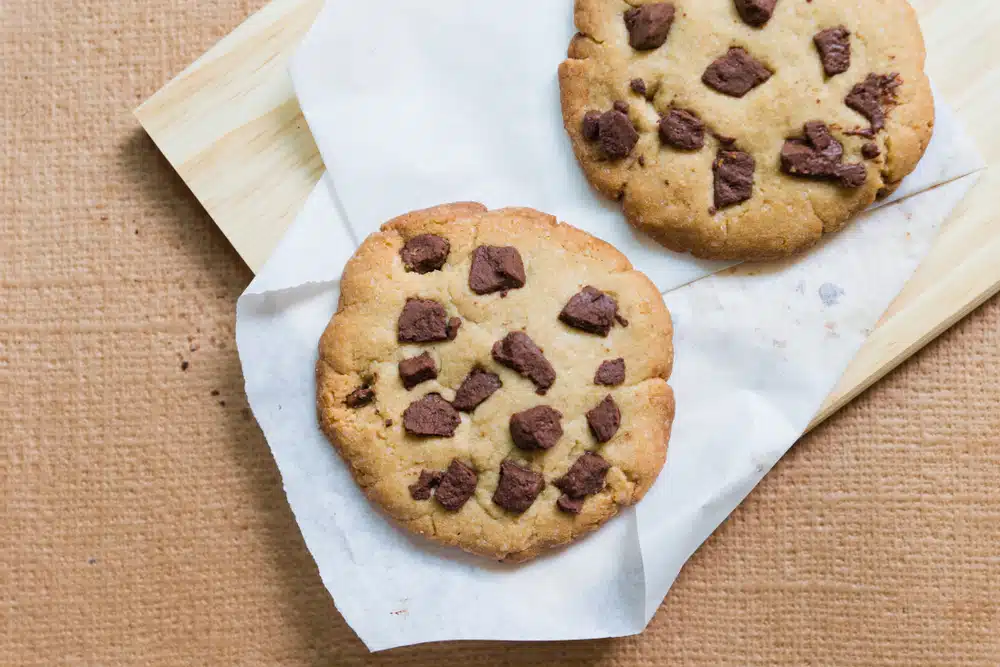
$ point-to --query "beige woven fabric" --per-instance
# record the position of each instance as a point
(142, 519)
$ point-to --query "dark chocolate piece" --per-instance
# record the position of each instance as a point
(536, 428)
(818, 155)
(590, 310)
(496, 269)
(755, 12)
(682, 129)
(422, 321)
(585, 477)
(871, 97)
(736, 73)
(834, 46)
(518, 352)
(605, 419)
(429, 479)
(649, 25)
(732, 177)
(425, 253)
(360, 397)
(431, 416)
(417, 369)
(518, 487)
(477, 386)
(616, 134)
(457, 485)
(610, 373)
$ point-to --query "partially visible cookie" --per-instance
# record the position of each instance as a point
(496, 380)
(745, 129)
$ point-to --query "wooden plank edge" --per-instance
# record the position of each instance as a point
(961, 290)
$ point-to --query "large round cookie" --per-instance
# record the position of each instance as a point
(496, 380)
(745, 129)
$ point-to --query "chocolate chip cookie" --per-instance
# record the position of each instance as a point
(745, 129)
(497, 380)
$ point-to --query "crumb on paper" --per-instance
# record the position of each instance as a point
(184, 365)
(830, 294)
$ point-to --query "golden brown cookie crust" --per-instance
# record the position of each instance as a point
(668, 192)
(360, 347)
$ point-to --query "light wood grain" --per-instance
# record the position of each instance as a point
(231, 127)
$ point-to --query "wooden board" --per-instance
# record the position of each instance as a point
(231, 127)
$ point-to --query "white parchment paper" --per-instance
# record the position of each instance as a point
(756, 351)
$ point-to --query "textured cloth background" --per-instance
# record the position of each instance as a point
(143, 520)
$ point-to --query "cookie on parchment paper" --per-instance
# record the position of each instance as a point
(496, 380)
(745, 129)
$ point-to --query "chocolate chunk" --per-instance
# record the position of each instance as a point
(477, 386)
(870, 150)
(360, 397)
(429, 479)
(638, 86)
(866, 132)
(585, 477)
(682, 129)
(425, 253)
(518, 487)
(590, 310)
(451, 329)
(605, 419)
(612, 130)
(736, 73)
(518, 352)
(495, 269)
(649, 25)
(457, 485)
(733, 177)
(819, 155)
(621, 320)
(570, 505)
(616, 134)
(852, 175)
(870, 97)
(419, 369)
(755, 12)
(591, 127)
(834, 46)
(422, 321)
(431, 416)
(610, 373)
(536, 428)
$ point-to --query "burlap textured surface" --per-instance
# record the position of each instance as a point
(143, 520)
